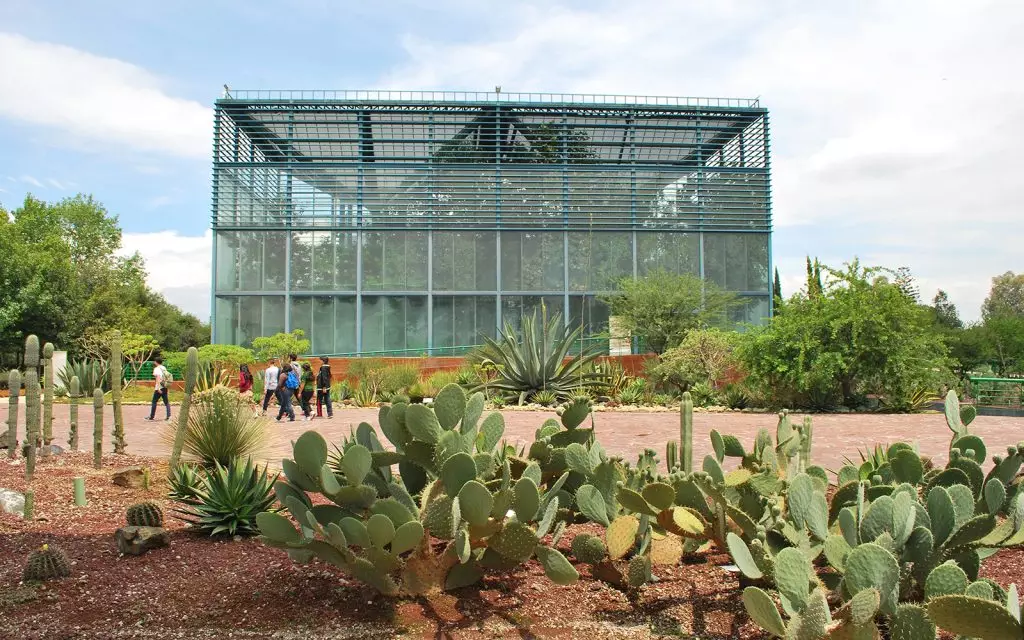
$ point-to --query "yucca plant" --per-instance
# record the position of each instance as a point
(537, 359)
(544, 397)
(221, 427)
(92, 374)
(212, 375)
(229, 498)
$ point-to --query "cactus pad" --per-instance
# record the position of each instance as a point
(659, 495)
(621, 536)
(639, 571)
(974, 617)
(763, 612)
(310, 453)
(793, 574)
(589, 549)
(871, 566)
(741, 556)
(450, 405)
(422, 423)
(457, 471)
(476, 503)
(591, 504)
(556, 567)
(666, 550)
(578, 459)
(145, 514)
(944, 580)
(911, 622)
(515, 542)
(527, 499)
(575, 413)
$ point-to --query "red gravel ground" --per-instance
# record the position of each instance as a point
(203, 588)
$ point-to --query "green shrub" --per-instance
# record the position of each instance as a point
(229, 498)
(222, 426)
(544, 398)
(228, 355)
(704, 395)
(341, 391)
(397, 377)
(440, 379)
(705, 355)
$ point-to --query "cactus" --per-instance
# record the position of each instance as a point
(97, 430)
(686, 433)
(47, 563)
(588, 548)
(116, 370)
(14, 387)
(970, 616)
(806, 434)
(191, 372)
(47, 436)
(79, 490)
(30, 504)
(73, 392)
(32, 417)
(145, 514)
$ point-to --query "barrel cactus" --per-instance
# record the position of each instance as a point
(47, 563)
(145, 514)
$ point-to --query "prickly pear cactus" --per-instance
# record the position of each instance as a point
(47, 563)
(145, 514)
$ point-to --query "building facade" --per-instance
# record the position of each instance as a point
(417, 222)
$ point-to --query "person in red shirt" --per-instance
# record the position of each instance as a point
(244, 381)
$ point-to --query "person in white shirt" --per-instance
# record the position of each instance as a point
(270, 383)
(161, 378)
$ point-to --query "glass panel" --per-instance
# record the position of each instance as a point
(394, 260)
(301, 257)
(464, 261)
(345, 250)
(515, 308)
(273, 315)
(667, 250)
(227, 319)
(532, 261)
(737, 261)
(598, 260)
(394, 323)
(323, 261)
(250, 319)
(461, 321)
(302, 315)
(753, 311)
(240, 260)
(322, 339)
(589, 311)
(345, 325)
(274, 260)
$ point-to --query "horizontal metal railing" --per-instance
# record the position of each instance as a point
(997, 392)
(383, 95)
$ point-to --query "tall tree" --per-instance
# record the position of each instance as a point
(814, 288)
(663, 307)
(777, 289)
(946, 315)
(903, 279)
(1006, 298)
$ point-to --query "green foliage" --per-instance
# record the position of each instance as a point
(704, 356)
(861, 335)
(92, 374)
(663, 307)
(228, 499)
(537, 359)
(184, 480)
(227, 355)
(280, 345)
(222, 427)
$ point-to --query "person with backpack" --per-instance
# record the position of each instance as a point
(293, 362)
(308, 384)
(323, 387)
(287, 386)
(270, 381)
(162, 379)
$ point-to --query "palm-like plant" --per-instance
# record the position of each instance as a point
(229, 498)
(537, 359)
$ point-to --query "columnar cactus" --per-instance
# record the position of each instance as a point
(73, 392)
(116, 371)
(14, 387)
(191, 371)
(97, 429)
(47, 398)
(32, 417)
(686, 433)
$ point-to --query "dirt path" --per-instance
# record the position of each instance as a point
(621, 433)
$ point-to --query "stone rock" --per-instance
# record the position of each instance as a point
(131, 478)
(136, 541)
(12, 502)
(56, 449)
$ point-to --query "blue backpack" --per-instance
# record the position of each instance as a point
(292, 381)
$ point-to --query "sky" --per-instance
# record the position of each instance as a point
(896, 127)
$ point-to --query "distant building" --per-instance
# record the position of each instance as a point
(414, 222)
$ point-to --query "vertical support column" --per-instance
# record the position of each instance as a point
(768, 215)
(631, 127)
(498, 226)
(563, 145)
(430, 291)
(213, 224)
(497, 282)
(359, 290)
(288, 223)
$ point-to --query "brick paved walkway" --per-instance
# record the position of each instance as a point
(622, 433)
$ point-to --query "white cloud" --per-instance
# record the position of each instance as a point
(895, 125)
(97, 99)
(178, 266)
(32, 181)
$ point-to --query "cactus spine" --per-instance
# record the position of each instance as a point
(31, 404)
(74, 392)
(47, 398)
(97, 429)
(191, 371)
(686, 433)
(14, 386)
(116, 369)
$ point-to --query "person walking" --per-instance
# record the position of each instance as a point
(293, 362)
(287, 384)
(161, 381)
(270, 382)
(244, 381)
(308, 389)
(323, 387)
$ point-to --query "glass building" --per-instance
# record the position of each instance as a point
(417, 222)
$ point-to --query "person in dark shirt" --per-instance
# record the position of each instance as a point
(308, 389)
(323, 387)
(284, 395)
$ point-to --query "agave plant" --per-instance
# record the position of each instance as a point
(229, 498)
(537, 359)
(212, 375)
(92, 374)
(184, 481)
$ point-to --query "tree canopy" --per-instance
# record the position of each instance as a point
(62, 279)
